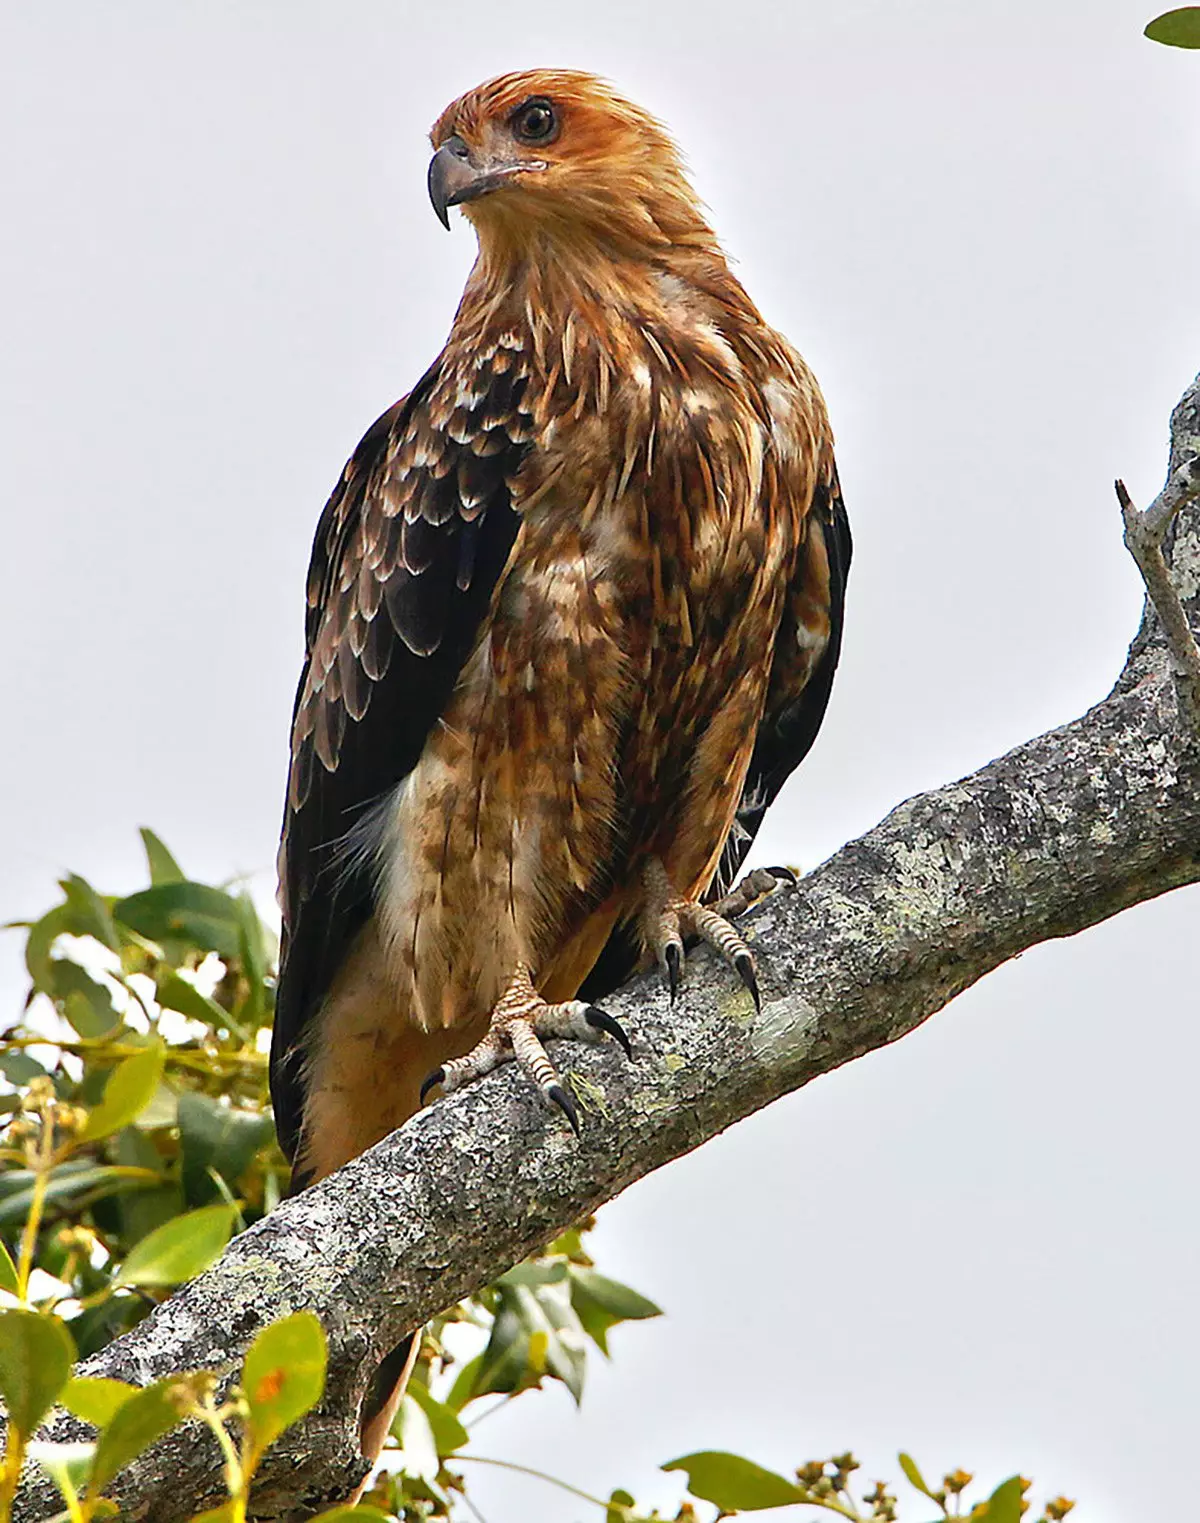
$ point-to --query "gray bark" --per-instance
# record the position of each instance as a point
(1060, 833)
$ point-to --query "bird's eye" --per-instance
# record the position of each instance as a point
(534, 121)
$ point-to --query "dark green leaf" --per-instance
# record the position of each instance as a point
(448, 1433)
(163, 866)
(95, 1399)
(90, 915)
(179, 1250)
(19, 1068)
(176, 993)
(735, 1484)
(129, 1090)
(601, 1303)
(256, 960)
(205, 917)
(136, 1424)
(217, 1137)
(36, 1353)
(66, 1182)
(42, 936)
(284, 1375)
(912, 1474)
(536, 1332)
(86, 1003)
(1004, 1504)
(135, 1213)
(1177, 29)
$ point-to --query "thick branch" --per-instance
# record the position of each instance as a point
(1058, 834)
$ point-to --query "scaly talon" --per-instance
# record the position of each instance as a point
(519, 1022)
(673, 958)
(666, 918)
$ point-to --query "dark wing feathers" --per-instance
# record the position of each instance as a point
(407, 553)
(797, 696)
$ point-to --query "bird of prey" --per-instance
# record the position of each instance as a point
(574, 610)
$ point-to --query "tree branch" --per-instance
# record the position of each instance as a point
(1144, 536)
(1060, 833)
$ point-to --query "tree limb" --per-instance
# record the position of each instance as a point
(1060, 833)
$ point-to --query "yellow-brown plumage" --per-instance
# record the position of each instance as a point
(567, 599)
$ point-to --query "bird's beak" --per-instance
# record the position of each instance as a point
(454, 177)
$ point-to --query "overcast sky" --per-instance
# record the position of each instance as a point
(981, 224)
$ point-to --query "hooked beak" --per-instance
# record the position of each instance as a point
(455, 179)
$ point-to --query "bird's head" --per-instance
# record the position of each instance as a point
(553, 157)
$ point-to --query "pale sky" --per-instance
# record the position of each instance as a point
(981, 225)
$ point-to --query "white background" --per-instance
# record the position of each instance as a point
(981, 224)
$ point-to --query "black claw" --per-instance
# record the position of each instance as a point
(673, 957)
(438, 1076)
(785, 873)
(565, 1104)
(602, 1021)
(744, 965)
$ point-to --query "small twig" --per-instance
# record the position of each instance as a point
(1144, 533)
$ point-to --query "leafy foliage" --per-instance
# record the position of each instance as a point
(140, 1139)
(1177, 29)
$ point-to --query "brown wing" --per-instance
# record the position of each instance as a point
(802, 671)
(407, 552)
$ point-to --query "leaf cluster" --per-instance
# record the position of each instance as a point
(139, 1139)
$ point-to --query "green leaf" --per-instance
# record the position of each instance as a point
(361, 1511)
(913, 1475)
(176, 993)
(463, 1389)
(601, 1303)
(36, 1353)
(735, 1484)
(134, 1426)
(256, 960)
(43, 934)
(617, 1504)
(95, 1399)
(204, 917)
(89, 913)
(67, 1181)
(217, 1137)
(67, 1465)
(1177, 29)
(536, 1332)
(129, 1090)
(19, 1068)
(8, 1270)
(284, 1375)
(86, 1003)
(178, 1250)
(1004, 1504)
(163, 866)
(448, 1433)
(418, 1447)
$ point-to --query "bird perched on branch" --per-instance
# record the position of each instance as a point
(574, 609)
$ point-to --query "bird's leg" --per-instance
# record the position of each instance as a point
(667, 918)
(519, 1022)
(758, 884)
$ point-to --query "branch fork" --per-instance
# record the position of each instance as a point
(1145, 532)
